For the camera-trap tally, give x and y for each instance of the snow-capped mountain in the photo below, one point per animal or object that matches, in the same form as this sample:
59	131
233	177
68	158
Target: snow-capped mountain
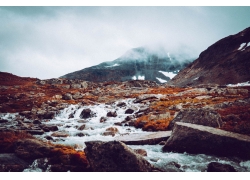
225	62
136	64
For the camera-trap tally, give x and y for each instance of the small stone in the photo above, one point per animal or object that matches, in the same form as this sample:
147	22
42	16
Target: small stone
111	114
60	134
82	127
36	122
141	152
129	111
103	119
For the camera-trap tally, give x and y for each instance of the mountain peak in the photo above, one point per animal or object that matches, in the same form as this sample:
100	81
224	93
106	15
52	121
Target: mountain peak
140	63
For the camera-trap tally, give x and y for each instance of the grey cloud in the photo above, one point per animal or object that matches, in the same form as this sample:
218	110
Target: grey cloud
48	42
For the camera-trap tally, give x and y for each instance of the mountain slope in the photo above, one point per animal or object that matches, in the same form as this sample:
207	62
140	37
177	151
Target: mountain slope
138	63
225	62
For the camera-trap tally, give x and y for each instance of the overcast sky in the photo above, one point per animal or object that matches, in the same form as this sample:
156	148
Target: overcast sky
48	42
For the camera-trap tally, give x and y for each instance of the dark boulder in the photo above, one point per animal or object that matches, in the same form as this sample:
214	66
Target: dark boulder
218	167
121	104
200	116
129	111
86	113
48	127
37	122
111	114
115	156
198	139
35	132
11	163
67	96
3	121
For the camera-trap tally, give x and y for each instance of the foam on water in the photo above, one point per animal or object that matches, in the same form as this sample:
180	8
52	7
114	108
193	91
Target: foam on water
93	127
188	162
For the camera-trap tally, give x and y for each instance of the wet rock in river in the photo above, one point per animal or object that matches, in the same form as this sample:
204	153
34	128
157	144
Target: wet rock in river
129	111
48	127
121	104
141	152
86	113
60	134
37	122
115	156
219	167
3	121
111	131
82	127
103	119
111	114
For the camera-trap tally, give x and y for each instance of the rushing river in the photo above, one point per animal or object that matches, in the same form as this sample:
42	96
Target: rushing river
68	121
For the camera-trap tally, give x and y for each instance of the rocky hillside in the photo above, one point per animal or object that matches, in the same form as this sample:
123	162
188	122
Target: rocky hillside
136	64
225	62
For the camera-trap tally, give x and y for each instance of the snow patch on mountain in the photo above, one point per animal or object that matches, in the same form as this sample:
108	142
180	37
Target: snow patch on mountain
168	74
113	65
161	80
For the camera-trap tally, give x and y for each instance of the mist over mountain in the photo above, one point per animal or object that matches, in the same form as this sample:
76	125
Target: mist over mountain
140	63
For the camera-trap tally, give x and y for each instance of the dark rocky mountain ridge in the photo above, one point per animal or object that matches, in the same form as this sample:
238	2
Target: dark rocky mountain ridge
136	64
225	62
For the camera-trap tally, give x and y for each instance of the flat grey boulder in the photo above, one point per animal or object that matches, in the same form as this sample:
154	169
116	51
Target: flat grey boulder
198	139
200	116
115	156
144	138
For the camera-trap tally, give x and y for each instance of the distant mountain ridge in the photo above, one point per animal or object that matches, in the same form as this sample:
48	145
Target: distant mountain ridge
225	62
136	64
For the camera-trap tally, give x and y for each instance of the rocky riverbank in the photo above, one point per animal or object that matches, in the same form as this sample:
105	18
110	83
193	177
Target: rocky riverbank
44	124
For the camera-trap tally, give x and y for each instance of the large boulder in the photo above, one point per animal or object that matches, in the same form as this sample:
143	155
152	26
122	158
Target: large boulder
115	156
11	163
198	139
200	116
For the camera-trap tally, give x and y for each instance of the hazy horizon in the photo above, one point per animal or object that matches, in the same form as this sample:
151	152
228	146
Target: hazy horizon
48	42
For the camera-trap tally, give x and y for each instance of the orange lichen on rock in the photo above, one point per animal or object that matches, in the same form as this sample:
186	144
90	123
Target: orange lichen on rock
9	138
147	123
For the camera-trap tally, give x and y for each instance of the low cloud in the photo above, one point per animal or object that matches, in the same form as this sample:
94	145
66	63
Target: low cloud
47	42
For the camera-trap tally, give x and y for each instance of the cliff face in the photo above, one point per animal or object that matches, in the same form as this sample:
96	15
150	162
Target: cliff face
138	63
225	62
